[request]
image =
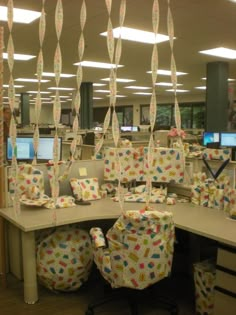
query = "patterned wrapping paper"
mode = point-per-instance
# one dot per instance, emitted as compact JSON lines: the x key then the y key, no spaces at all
{"x":64,"y":259}
{"x":168,"y":165}
{"x":216,"y":154}
{"x":140,"y":249}
{"x":85,"y":189}
{"x":204,"y":279}
{"x":126,"y":156}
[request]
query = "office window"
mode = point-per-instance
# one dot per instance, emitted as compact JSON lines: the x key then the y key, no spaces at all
{"x":124,"y":113}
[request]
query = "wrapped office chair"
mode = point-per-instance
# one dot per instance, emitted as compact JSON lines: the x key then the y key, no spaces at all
{"x":138,"y":254}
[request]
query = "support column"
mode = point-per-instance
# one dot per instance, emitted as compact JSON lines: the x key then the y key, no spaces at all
{"x":86,"y":107}
{"x":217,"y":101}
{"x":25,"y":109}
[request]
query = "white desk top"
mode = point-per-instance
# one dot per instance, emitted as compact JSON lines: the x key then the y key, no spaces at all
{"x":207,"y":222}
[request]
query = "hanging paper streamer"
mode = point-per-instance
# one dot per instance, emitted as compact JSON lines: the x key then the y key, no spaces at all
{"x":153,"y":102}
{"x":39,"y":72}
{"x":11,"y":98}
{"x":1,"y":106}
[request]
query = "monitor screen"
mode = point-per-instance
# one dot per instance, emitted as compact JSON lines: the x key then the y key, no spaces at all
{"x":126,"y":128}
{"x":211,"y":137}
{"x":25,"y":148}
{"x":228,"y":139}
{"x":135,"y":128}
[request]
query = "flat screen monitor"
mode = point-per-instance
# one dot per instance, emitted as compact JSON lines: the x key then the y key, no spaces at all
{"x":25,"y":148}
{"x":211,"y":137}
{"x":228,"y":139}
{"x":126,"y":128}
{"x":135,"y":128}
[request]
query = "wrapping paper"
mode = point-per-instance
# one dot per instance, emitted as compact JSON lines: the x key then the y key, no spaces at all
{"x":64,"y":259}
{"x":86,"y":189}
{"x":140,"y":249}
{"x":204,"y":279}
{"x":216,"y":154}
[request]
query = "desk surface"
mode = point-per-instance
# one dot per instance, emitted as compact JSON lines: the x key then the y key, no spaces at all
{"x":211,"y":223}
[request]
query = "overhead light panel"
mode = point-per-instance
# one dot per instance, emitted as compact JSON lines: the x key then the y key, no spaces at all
{"x":177,"y":90}
{"x":117,"y":96}
{"x":36,"y":92}
{"x":60,"y":88}
{"x":143,"y":93}
{"x":134,"y":87}
{"x":229,"y":80}
{"x":31,"y":80}
{"x":102,"y":91}
{"x":94,"y":64}
{"x":200,"y":87}
{"x":167,"y":72}
{"x":136,"y":35}
{"x":62,"y":75}
{"x":220,"y":52}
{"x":119,"y":80}
{"x":19,"y":15}
{"x":15,"y":86}
{"x":99,"y":84}
{"x":166,"y":84}
{"x":21,"y":57}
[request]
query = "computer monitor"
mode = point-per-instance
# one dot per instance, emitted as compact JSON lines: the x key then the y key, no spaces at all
{"x":25,"y":148}
{"x":126,"y":128}
{"x":211,"y":138}
{"x":135,"y":128}
{"x":228,"y":139}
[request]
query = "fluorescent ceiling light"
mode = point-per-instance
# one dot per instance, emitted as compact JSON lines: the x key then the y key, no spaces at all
{"x":44,"y":98}
{"x":94,"y":64}
{"x":229,"y":80}
{"x":21,"y":57}
{"x":178,"y":91}
{"x":31,"y":80}
{"x":20,"y":15}
{"x":15,"y":86}
{"x":99,"y":84}
{"x":143,"y":93}
{"x":136,"y":35}
{"x":200,"y":87}
{"x":97,"y":98}
{"x":117,"y":96}
{"x":134,"y":87}
{"x":220,"y":52}
{"x":36,"y":92}
{"x":62,"y":96}
{"x":102,"y":91}
{"x":52,"y":74}
{"x":60,"y":88}
{"x":167,"y":72}
{"x":166,"y":84}
{"x":119,"y":80}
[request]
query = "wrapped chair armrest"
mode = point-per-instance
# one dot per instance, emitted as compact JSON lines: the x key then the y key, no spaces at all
{"x":98,"y":238}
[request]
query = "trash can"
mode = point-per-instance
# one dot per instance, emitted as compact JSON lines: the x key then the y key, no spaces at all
{"x":204,"y":281}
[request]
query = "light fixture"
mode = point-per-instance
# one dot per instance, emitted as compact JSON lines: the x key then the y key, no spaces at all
{"x":167,"y":72}
{"x":166,"y":84}
{"x":15,"y":86}
{"x":134,"y":87}
{"x":99,"y":84}
{"x":97,"y":98}
{"x":30,"y":80}
{"x":21,"y":57}
{"x":102,"y":91}
{"x":177,"y":90}
{"x":229,"y":80}
{"x":60,"y":88}
{"x":143,"y":93}
{"x":119,"y":80}
{"x":220,"y":52}
{"x":200,"y":87}
{"x":19,"y":15}
{"x":117,"y":96}
{"x":36,"y":92}
{"x":94,"y":64}
{"x":136,"y":35}
{"x":62,"y":75}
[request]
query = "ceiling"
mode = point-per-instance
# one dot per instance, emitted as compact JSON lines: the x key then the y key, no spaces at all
{"x":199,"y":25}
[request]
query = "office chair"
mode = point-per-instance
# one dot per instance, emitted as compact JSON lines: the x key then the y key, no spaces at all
{"x":136,"y":253}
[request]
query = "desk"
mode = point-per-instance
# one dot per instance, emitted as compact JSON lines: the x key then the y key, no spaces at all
{"x":207,"y":222}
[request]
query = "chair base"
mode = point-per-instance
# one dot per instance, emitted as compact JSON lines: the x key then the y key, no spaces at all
{"x":133,"y":297}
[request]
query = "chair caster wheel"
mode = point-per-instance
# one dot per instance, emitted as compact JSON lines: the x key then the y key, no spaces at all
{"x":89,"y":312}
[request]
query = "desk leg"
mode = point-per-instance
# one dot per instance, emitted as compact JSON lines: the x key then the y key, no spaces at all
{"x":29,"y":267}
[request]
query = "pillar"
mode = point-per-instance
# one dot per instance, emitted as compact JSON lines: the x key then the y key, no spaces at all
{"x":86,"y":106}
{"x":25,"y":109}
{"x":217,"y":96}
